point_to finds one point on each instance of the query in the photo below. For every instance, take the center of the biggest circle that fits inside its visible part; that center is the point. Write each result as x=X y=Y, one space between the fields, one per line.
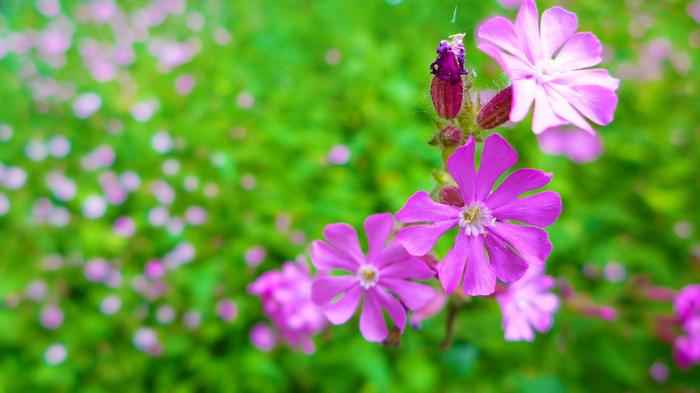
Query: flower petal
x=500 y=33
x=325 y=257
x=540 y=209
x=461 y=167
x=409 y=268
x=508 y=266
x=578 y=145
x=557 y=26
x=421 y=208
x=545 y=115
x=527 y=28
x=372 y=324
x=582 y=50
x=344 y=238
x=342 y=310
x=393 y=307
x=523 y=96
x=479 y=277
x=594 y=77
x=517 y=183
x=530 y=242
x=560 y=98
x=498 y=157
x=512 y=66
x=324 y=289
x=378 y=228
x=596 y=103
x=414 y=295
x=451 y=269
x=419 y=240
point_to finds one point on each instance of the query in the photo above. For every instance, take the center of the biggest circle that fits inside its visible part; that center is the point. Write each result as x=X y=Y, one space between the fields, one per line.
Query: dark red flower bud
x=450 y=195
x=497 y=111
x=447 y=97
x=451 y=136
x=447 y=87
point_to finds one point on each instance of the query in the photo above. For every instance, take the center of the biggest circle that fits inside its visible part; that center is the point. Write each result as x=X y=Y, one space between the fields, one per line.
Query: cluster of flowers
x=687 y=308
x=500 y=233
x=103 y=192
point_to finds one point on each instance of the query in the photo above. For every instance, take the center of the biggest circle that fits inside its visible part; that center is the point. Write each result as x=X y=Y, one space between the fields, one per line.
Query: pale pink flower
x=548 y=63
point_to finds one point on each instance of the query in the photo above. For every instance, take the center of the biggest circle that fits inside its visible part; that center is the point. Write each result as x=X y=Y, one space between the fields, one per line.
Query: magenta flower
x=528 y=304
x=548 y=63
x=286 y=299
x=576 y=144
x=484 y=219
x=380 y=277
x=687 y=309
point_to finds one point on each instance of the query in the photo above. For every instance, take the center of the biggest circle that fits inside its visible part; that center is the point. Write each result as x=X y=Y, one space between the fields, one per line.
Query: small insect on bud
x=447 y=87
x=497 y=111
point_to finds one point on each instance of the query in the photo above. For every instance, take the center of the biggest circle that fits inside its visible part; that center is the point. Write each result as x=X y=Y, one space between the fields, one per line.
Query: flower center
x=474 y=219
x=545 y=70
x=368 y=275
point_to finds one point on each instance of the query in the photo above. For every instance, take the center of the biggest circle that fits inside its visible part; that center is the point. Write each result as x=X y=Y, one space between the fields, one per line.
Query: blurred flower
x=165 y=314
x=102 y=157
x=386 y=267
x=55 y=354
x=248 y=182
x=36 y=290
x=48 y=8
x=146 y=340
x=13 y=177
x=51 y=317
x=614 y=272
x=263 y=337
x=227 y=310
x=659 y=372
x=4 y=204
x=446 y=89
x=255 y=255
x=510 y=4
x=110 y=305
x=124 y=226
x=339 y=155
x=162 y=142
x=574 y=143
x=528 y=304
x=511 y=247
x=142 y=111
x=192 y=319
x=183 y=252
x=222 y=36
x=548 y=64
x=97 y=270
x=94 y=207
x=694 y=10
x=158 y=216
x=86 y=104
x=184 y=84
x=62 y=187
x=59 y=146
x=245 y=100
x=286 y=301
x=196 y=215
x=154 y=270
x=333 y=56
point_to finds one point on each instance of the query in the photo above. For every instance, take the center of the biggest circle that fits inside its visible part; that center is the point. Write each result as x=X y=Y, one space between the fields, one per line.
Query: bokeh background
x=220 y=137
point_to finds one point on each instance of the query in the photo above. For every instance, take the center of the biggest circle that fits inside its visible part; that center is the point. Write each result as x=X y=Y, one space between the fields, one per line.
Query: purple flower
x=380 y=277
x=446 y=89
x=511 y=248
x=687 y=308
x=548 y=63
x=528 y=304
x=227 y=310
x=286 y=300
x=263 y=337
x=574 y=143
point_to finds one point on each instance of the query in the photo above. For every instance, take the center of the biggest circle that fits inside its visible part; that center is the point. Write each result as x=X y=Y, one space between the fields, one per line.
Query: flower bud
x=497 y=111
x=450 y=195
x=450 y=136
x=447 y=87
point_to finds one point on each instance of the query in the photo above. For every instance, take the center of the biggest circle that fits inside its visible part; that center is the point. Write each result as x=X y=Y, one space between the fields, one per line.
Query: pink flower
x=574 y=143
x=548 y=63
x=528 y=304
x=263 y=337
x=286 y=299
x=380 y=277
x=686 y=348
x=511 y=248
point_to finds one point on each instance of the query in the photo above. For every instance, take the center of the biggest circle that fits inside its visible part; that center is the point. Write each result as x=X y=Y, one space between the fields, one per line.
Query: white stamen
x=475 y=218
x=368 y=275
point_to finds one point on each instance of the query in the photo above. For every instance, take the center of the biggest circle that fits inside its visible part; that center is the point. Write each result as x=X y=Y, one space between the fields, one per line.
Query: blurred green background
x=296 y=79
